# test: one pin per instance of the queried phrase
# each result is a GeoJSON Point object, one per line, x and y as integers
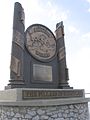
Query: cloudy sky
{"type": "Point", "coordinates": [76, 17]}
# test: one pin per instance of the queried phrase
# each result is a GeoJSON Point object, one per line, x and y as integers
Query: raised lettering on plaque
{"type": "Point", "coordinates": [50, 94]}
{"type": "Point", "coordinates": [42, 72]}
{"type": "Point", "coordinates": [40, 42]}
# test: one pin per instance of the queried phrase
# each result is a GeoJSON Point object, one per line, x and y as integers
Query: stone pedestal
{"type": "Point", "coordinates": [15, 105]}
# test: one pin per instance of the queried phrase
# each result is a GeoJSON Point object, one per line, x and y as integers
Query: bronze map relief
{"type": "Point", "coordinates": [40, 42]}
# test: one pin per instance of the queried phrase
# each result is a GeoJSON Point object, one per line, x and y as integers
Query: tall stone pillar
{"type": "Point", "coordinates": [17, 54]}
{"type": "Point", "coordinates": [63, 70]}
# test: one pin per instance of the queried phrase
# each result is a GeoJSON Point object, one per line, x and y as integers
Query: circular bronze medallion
{"type": "Point", "coordinates": [40, 42]}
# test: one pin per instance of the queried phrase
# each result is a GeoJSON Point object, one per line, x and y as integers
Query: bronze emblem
{"type": "Point", "coordinates": [40, 42]}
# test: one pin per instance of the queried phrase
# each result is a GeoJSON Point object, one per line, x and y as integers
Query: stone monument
{"type": "Point", "coordinates": [38, 58]}
{"type": "Point", "coordinates": [38, 88]}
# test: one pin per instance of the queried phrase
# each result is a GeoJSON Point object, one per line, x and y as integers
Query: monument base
{"type": "Point", "coordinates": [24, 104]}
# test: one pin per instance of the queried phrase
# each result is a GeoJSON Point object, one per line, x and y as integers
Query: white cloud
{"type": "Point", "coordinates": [36, 11]}
{"type": "Point", "coordinates": [89, 7]}
{"type": "Point", "coordinates": [88, 1]}
{"type": "Point", "coordinates": [86, 39]}
{"type": "Point", "coordinates": [44, 12]}
{"type": "Point", "coordinates": [73, 29]}
{"type": "Point", "coordinates": [79, 62]}
{"type": "Point", "coordinates": [86, 35]}
{"type": "Point", "coordinates": [79, 69]}
{"type": "Point", "coordinates": [56, 13]}
{"type": "Point", "coordinates": [89, 10]}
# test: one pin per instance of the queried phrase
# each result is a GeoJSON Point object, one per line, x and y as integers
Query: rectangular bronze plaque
{"type": "Point", "coordinates": [48, 94]}
{"type": "Point", "coordinates": [42, 72]}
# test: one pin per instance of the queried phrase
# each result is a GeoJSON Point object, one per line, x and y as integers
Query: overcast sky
{"type": "Point", "coordinates": [76, 17]}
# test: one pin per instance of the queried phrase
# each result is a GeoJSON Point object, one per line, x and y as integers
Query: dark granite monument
{"type": "Point", "coordinates": [38, 89]}
{"type": "Point", "coordinates": [38, 58]}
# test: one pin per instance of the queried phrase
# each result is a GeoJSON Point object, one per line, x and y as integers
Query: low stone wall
{"type": "Point", "coordinates": [77, 111]}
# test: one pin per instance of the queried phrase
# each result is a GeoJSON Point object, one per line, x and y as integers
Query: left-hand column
{"type": "Point", "coordinates": [17, 54]}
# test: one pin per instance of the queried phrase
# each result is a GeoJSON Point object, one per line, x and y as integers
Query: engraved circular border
{"type": "Point", "coordinates": [51, 38]}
